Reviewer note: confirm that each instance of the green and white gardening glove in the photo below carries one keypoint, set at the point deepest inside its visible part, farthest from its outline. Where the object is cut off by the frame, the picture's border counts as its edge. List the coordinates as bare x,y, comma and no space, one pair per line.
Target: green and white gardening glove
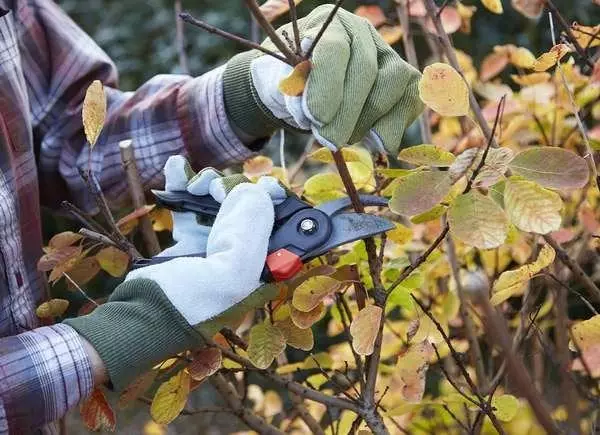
160,310
359,88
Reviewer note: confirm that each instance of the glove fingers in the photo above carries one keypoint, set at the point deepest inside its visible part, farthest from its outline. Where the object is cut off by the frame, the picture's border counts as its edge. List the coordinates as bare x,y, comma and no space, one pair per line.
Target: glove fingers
273,187
360,75
199,184
177,172
388,131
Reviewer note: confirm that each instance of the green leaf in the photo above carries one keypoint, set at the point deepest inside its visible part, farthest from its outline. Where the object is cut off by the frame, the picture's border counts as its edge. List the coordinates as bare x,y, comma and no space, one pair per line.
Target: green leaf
419,192
552,167
531,207
506,406
296,337
266,343
478,221
430,215
426,154
324,187
325,155
170,398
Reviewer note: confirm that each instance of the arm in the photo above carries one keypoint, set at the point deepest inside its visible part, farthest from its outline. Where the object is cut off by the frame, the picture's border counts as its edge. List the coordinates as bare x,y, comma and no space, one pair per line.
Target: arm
169,114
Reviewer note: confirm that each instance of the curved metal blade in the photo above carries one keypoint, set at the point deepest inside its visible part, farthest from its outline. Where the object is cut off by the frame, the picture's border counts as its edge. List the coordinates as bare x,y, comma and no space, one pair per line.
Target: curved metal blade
332,207
349,227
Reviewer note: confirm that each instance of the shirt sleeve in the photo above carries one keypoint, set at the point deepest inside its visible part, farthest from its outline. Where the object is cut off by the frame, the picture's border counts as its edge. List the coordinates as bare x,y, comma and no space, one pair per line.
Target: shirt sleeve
43,373
169,114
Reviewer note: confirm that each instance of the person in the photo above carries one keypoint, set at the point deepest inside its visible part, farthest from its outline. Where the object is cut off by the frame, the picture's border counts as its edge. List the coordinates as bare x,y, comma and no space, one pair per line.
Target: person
358,89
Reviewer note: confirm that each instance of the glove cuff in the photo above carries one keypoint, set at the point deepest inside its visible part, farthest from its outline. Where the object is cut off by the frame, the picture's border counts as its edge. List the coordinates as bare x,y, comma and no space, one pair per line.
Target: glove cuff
137,328
242,103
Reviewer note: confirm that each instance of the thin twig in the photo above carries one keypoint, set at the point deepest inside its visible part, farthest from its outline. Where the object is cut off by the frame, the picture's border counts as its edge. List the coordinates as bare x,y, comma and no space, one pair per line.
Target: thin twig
188,18
294,20
326,24
180,39
540,127
292,58
92,235
80,289
84,218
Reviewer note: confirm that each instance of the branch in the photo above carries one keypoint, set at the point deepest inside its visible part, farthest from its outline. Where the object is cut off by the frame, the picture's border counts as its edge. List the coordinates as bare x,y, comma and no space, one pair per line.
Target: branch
578,272
92,235
188,18
137,195
292,59
180,39
84,218
328,21
294,20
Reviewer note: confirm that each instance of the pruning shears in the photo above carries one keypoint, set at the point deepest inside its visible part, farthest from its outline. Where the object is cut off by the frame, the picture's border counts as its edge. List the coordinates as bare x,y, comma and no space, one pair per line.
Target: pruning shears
301,232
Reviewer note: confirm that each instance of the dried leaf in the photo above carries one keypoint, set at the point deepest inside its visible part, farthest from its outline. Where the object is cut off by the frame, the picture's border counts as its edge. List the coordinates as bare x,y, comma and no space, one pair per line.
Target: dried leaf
450,18
96,413
425,154
304,320
56,257
531,79
443,90
52,308
531,207
552,167
64,239
419,192
83,271
364,329
94,111
326,156
478,221
529,8
550,58
272,9
206,363
311,292
170,398
586,36
293,85
299,338
492,65
113,261
494,6
137,388
373,13
466,14
258,166
511,282
411,370
266,343
128,222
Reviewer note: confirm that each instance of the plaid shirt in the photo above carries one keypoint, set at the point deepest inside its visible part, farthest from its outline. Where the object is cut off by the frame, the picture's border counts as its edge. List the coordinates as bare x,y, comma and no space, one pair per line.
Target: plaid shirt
46,64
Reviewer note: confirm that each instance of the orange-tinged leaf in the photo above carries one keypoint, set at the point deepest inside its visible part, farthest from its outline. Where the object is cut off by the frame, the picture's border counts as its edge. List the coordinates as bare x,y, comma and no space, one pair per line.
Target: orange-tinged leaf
411,370
94,111
450,18
466,13
128,222
293,85
373,13
55,257
258,166
311,292
64,239
442,88
521,57
296,337
206,363
162,219
587,36
265,344
494,6
492,65
530,8
96,412
137,388
83,271
170,398
390,34
550,58
272,9
305,320
364,329
113,261
52,308
531,79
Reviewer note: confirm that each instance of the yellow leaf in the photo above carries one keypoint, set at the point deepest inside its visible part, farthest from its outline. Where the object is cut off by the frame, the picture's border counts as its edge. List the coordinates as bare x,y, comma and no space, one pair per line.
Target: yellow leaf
494,6
293,85
442,89
324,187
466,13
170,398
258,166
587,333
153,428
113,260
364,329
587,36
511,282
272,9
400,235
530,207
325,155
506,407
390,34
94,111
52,308
83,272
478,221
362,171
162,219
521,57
550,58
296,337
430,215
425,154
304,320
311,292
266,343
62,240
531,79
411,370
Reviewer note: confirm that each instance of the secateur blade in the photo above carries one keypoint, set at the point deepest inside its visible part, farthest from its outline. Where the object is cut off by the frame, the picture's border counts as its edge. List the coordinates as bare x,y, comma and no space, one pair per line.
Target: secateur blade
332,207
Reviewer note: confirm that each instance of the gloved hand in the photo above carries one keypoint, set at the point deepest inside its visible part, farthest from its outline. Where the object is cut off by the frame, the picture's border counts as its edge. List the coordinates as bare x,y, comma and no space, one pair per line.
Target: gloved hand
358,89
159,309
